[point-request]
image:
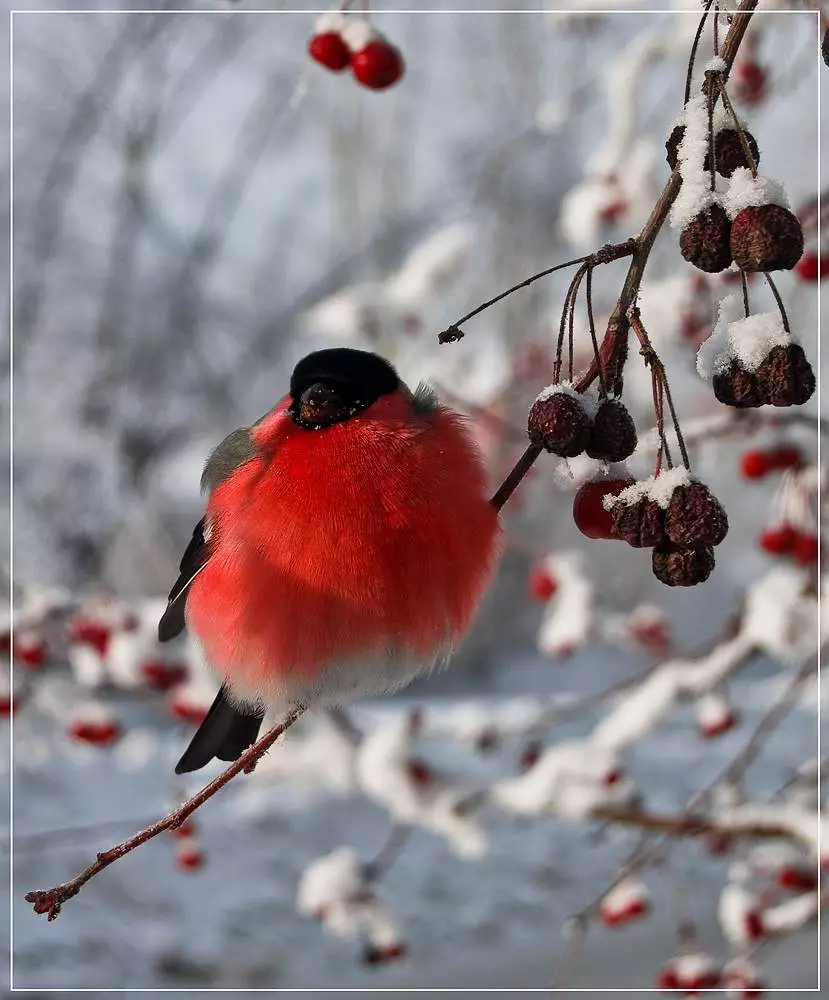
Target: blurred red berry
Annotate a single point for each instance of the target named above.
(30, 652)
(530, 756)
(419, 772)
(378, 65)
(162, 676)
(812, 267)
(330, 51)
(755, 464)
(786, 456)
(90, 633)
(667, 979)
(749, 80)
(190, 859)
(542, 583)
(754, 925)
(99, 734)
(187, 829)
(797, 878)
(613, 777)
(710, 730)
(806, 549)
(778, 541)
(589, 514)
(8, 706)
(5, 642)
(187, 711)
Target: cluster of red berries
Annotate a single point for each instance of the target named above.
(189, 855)
(783, 378)
(374, 61)
(786, 540)
(759, 463)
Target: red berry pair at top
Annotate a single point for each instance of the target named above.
(339, 42)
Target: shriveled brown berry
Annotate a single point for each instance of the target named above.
(785, 377)
(613, 434)
(729, 152)
(705, 241)
(672, 144)
(737, 387)
(766, 238)
(640, 524)
(676, 566)
(695, 518)
(559, 425)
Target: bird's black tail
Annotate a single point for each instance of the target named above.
(226, 732)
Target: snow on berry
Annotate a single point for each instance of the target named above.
(695, 196)
(740, 910)
(29, 649)
(628, 900)
(714, 714)
(741, 979)
(648, 626)
(697, 971)
(189, 857)
(93, 723)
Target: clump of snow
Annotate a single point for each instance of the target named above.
(589, 400)
(357, 32)
(712, 709)
(716, 65)
(695, 195)
(568, 621)
(746, 191)
(432, 265)
(659, 488)
(330, 21)
(737, 903)
(751, 339)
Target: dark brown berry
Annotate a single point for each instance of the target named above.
(729, 152)
(766, 238)
(705, 241)
(613, 434)
(640, 524)
(737, 387)
(695, 518)
(679, 567)
(672, 144)
(559, 425)
(785, 377)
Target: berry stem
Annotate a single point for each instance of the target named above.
(744, 282)
(49, 901)
(694, 46)
(592, 325)
(729, 107)
(779, 301)
(608, 253)
(389, 852)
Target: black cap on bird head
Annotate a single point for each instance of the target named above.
(330, 386)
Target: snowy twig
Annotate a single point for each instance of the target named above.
(49, 901)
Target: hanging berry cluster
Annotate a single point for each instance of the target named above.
(341, 41)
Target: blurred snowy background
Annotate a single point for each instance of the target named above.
(196, 206)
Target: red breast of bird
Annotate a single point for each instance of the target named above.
(346, 560)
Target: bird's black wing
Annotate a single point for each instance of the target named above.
(226, 732)
(194, 558)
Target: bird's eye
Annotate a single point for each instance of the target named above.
(320, 406)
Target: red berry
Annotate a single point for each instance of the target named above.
(755, 464)
(718, 843)
(5, 643)
(806, 549)
(778, 541)
(187, 712)
(542, 583)
(797, 878)
(187, 829)
(419, 772)
(100, 734)
(378, 65)
(31, 653)
(613, 777)
(754, 925)
(90, 633)
(162, 676)
(786, 456)
(589, 514)
(8, 706)
(667, 979)
(529, 756)
(190, 859)
(711, 730)
(613, 211)
(812, 267)
(749, 81)
(330, 50)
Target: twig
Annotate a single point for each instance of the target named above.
(608, 253)
(389, 852)
(50, 901)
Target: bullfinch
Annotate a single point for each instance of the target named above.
(346, 543)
